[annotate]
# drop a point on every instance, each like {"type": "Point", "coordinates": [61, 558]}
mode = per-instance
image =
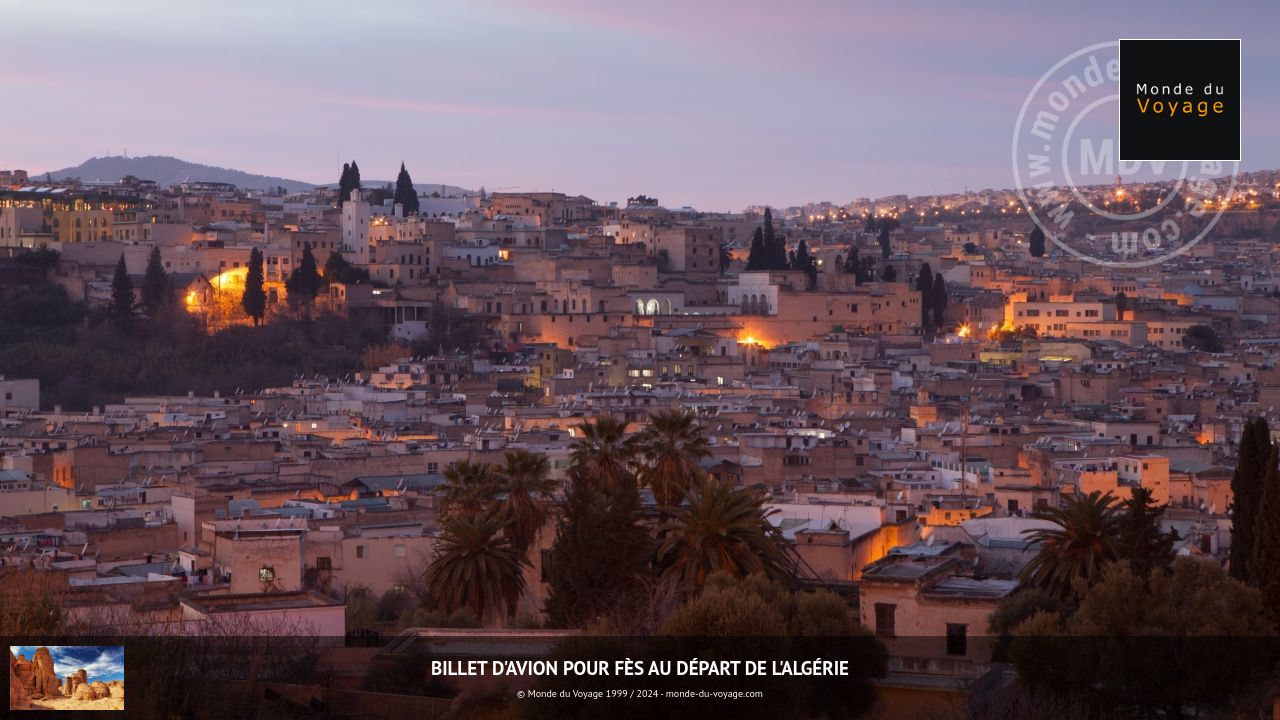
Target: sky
{"type": "Point", "coordinates": [707, 103]}
{"type": "Point", "coordinates": [104, 663]}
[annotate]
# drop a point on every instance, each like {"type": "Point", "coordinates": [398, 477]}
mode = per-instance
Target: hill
{"type": "Point", "coordinates": [168, 171]}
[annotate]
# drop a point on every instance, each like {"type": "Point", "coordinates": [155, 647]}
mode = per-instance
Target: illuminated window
{"type": "Point", "coordinates": [267, 574]}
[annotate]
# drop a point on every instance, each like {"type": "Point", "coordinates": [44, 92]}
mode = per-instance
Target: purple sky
{"type": "Point", "coordinates": [699, 102]}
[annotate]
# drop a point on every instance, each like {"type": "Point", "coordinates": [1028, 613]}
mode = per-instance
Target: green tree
{"type": "Point", "coordinates": [1035, 242]}
{"type": "Point", "coordinates": [155, 284]}
{"type": "Point", "coordinates": [406, 196]}
{"type": "Point", "coordinates": [721, 529]}
{"type": "Point", "coordinates": [304, 283]}
{"type": "Point", "coordinates": [476, 567]}
{"type": "Point", "coordinates": [1083, 541]}
{"type": "Point", "coordinates": [671, 448]}
{"type": "Point", "coordinates": [938, 300]}
{"type": "Point", "coordinates": [886, 249]}
{"type": "Point", "coordinates": [1203, 338]}
{"type": "Point", "coordinates": [756, 258]}
{"type": "Point", "coordinates": [1122, 303]}
{"type": "Point", "coordinates": [526, 495]}
{"type": "Point", "coordinates": [349, 181]}
{"type": "Point", "coordinates": [970, 249]}
{"type": "Point", "coordinates": [121, 307]}
{"type": "Point", "coordinates": [924, 285]}
{"type": "Point", "coordinates": [469, 488]}
{"type": "Point", "coordinates": [1139, 539]}
{"type": "Point", "coordinates": [1266, 541]}
{"type": "Point", "coordinates": [602, 555]}
{"type": "Point", "coordinates": [337, 269]}
{"type": "Point", "coordinates": [601, 454]}
{"type": "Point", "coordinates": [1246, 489]}
{"type": "Point", "coordinates": [726, 258]}
{"type": "Point", "coordinates": [254, 299]}
{"type": "Point", "coordinates": [890, 273]}
{"type": "Point", "coordinates": [1186, 638]}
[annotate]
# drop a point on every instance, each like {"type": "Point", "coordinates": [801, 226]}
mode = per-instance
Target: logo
{"type": "Point", "coordinates": [1087, 200]}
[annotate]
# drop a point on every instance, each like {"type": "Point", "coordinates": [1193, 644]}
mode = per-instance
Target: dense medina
{"type": "Point", "coordinates": [239, 407]}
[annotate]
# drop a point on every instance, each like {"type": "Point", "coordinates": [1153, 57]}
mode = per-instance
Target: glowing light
{"type": "Point", "coordinates": [964, 331]}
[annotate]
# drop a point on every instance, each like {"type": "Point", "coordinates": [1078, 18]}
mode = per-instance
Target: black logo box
{"type": "Point", "coordinates": [1186, 65]}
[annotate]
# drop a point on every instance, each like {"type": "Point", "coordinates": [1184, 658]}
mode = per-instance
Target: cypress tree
{"type": "Point", "coordinates": [121, 307]}
{"type": "Point", "coordinates": [885, 249]}
{"type": "Point", "coordinates": [924, 285]}
{"type": "Point", "coordinates": [344, 183]}
{"type": "Point", "coordinates": [889, 274]}
{"type": "Point", "coordinates": [756, 259]}
{"type": "Point", "coordinates": [1265, 565]}
{"type": "Point", "coordinates": [1036, 242]}
{"type": "Point", "coordinates": [254, 300]}
{"type": "Point", "coordinates": [775, 247]}
{"type": "Point", "coordinates": [1246, 488]}
{"type": "Point", "coordinates": [355, 176]}
{"type": "Point", "coordinates": [405, 195]}
{"type": "Point", "coordinates": [304, 282]}
{"type": "Point", "coordinates": [939, 300]}
{"type": "Point", "coordinates": [155, 284]}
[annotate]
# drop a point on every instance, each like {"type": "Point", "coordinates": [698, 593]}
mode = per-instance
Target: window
{"type": "Point", "coordinates": [324, 563]}
{"type": "Point", "coordinates": [360, 551]}
{"type": "Point", "coordinates": [957, 639]}
{"type": "Point", "coordinates": [399, 551]}
{"type": "Point", "coordinates": [267, 574]}
{"type": "Point", "coordinates": [884, 619]}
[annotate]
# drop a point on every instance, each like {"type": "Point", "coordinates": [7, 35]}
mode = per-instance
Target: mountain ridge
{"type": "Point", "coordinates": [166, 170]}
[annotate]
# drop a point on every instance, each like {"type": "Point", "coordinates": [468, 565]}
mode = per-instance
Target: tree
{"type": "Point", "coordinates": [938, 299]}
{"type": "Point", "coordinates": [889, 274]}
{"type": "Point", "coordinates": [756, 258]}
{"type": "Point", "coordinates": [721, 529]}
{"type": "Point", "coordinates": [775, 246]}
{"type": "Point", "coordinates": [1122, 302]}
{"type": "Point", "coordinates": [671, 447]}
{"type": "Point", "coordinates": [602, 554]}
{"type": "Point", "coordinates": [1083, 541]}
{"type": "Point", "coordinates": [406, 196]}
{"type": "Point", "coordinates": [726, 258]}
{"type": "Point", "coordinates": [1266, 541]}
{"type": "Point", "coordinates": [1140, 540]}
{"type": "Point", "coordinates": [885, 248]}
{"type": "Point", "coordinates": [469, 488]}
{"type": "Point", "coordinates": [337, 269]}
{"type": "Point", "coordinates": [254, 300]}
{"type": "Point", "coordinates": [602, 454]}
{"type": "Point", "coordinates": [155, 284]}
{"type": "Point", "coordinates": [924, 285]}
{"type": "Point", "coordinates": [1187, 638]}
{"type": "Point", "coordinates": [304, 282]}
{"type": "Point", "coordinates": [1203, 338]}
{"type": "Point", "coordinates": [349, 181]}
{"type": "Point", "coordinates": [476, 567]}
{"type": "Point", "coordinates": [1246, 489]}
{"type": "Point", "coordinates": [526, 496]}
{"type": "Point", "coordinates": [1035, 242]}
{"type": "Point", "coordinates": [121, 307]}
{"type": "Point", "coordinates": [970, 249]}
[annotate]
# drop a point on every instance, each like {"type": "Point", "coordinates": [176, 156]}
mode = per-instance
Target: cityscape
{"type": "Point", "coordinates": [365, 446]}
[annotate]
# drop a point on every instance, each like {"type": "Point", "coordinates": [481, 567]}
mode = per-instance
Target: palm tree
{"type": "Point", "coordinates": [476, 566]}
{"type": "Point", "coordinates": [469, 488]}
{"type": "Point", "coordinates": [671, 447]}
{"type": "Point", "coordinates": [602, 454]}
{"type": "Point", "coordinates": [720, 529]}
{"type": "Point", "coordinates": [526, 495]}
{"type": "Point", "coordinates": [1083, 541]}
